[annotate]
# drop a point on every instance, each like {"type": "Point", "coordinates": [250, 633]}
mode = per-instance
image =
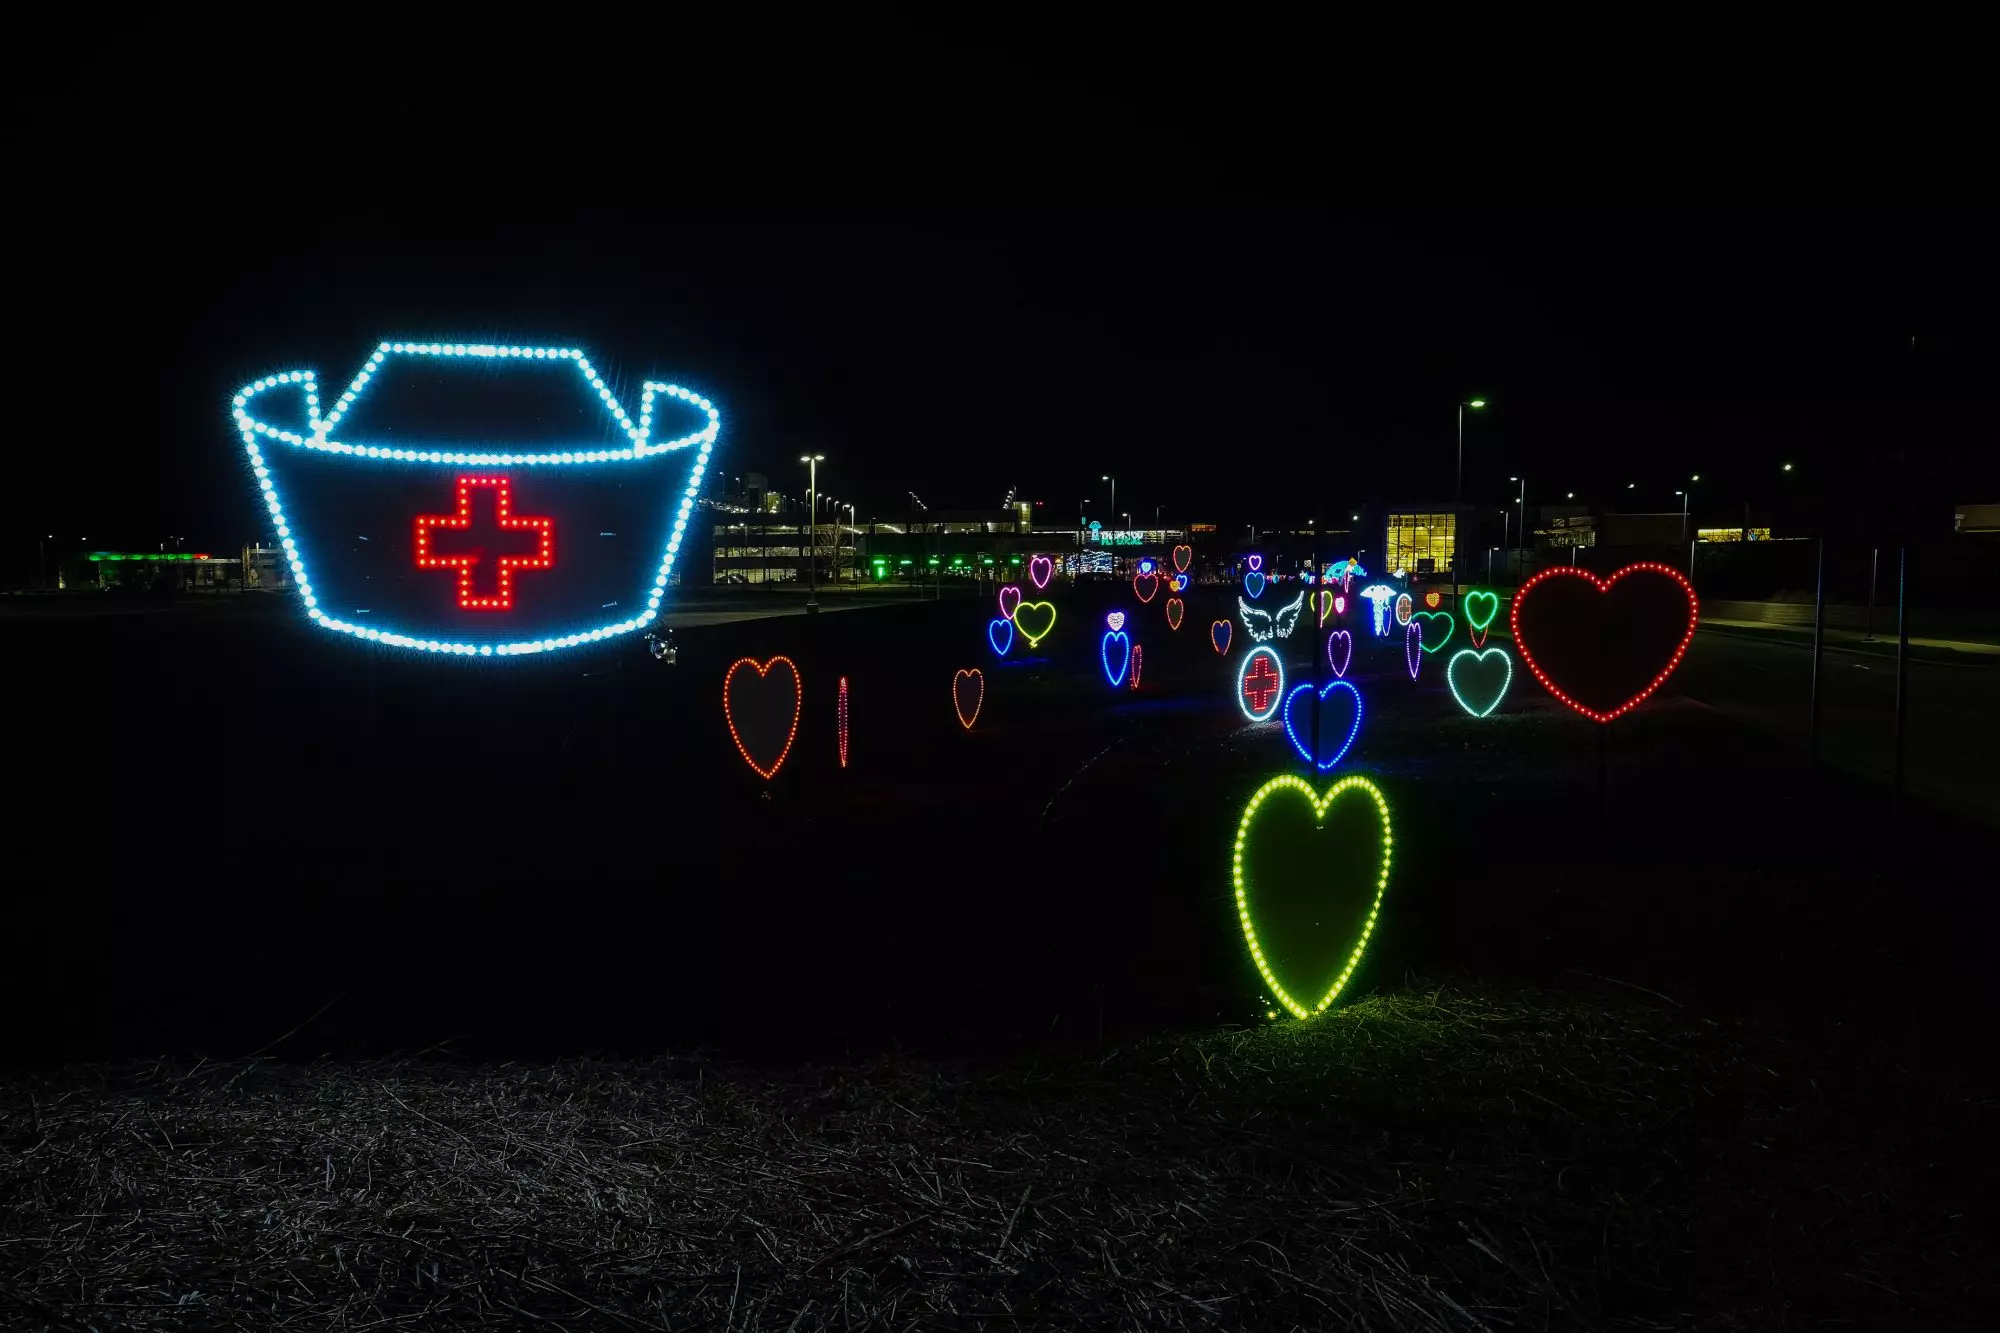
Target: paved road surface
{"type": "Point", "coordinates": [1953, 748]}
{"type": "Point", "coordinates": [690, 607]}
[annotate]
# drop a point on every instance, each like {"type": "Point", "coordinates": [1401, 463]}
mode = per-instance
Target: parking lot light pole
{"type": "Point", "coordinates": [1458, 490]}
{"type": "Point", "coordinates": [812, 462]}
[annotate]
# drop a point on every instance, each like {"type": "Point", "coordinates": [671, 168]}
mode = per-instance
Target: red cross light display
{"type": "Point", "coordinates": [1261, 684]}
{"type": "Point", "coordinates": [501, 598]}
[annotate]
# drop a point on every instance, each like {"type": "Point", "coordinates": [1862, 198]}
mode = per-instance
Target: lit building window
{"type": "Point", "coordinates": [1421, 543]}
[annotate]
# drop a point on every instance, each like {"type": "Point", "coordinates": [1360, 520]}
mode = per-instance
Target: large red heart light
{"type": "Point", "coordinates": [1602, 645]}
{"type": "Point", "coordinates": [1182, 554]}
{"type": "Point", "coordinates": [761, 706]}
{"type": "Point", "coordinates": [1175, 610]}
{"type": "Point", "coordinates": [1145, 585]}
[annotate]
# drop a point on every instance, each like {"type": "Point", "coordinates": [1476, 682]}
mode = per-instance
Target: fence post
{"type": "Point", "coordinates": [1902, 662]}
{"type": "Point", "coordinates": [1874, 563]}
{"type": "Point", "coordinates": [1819, 633]}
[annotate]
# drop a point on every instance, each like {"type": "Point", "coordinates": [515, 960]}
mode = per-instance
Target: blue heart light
{"type": "Point", "coordinates": [1253, 585]}
{"type": "Point", "coordinates": [1181, 581]}
{"type": "Point", "coordinates": [1300, 743]}
{"type": "Point", "coordinates": [993, 635]}
{"type": "Point", "coordinates": [1117, 677]}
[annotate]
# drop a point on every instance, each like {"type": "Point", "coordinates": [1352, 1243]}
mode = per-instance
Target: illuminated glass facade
{"type": "Point", "coordinates": [1420, 543]}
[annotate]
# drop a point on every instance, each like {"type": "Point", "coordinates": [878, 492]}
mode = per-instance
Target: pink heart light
{"type": "Point", "coordinates": [1340, 661]}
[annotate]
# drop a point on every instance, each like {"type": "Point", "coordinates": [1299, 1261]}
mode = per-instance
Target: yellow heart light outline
{"type": "Point", "coordinates": [1320, 805]}
{"type": "Point", "coordinates": [1033, 638]}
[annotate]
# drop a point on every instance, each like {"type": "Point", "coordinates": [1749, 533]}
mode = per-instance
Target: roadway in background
{"type": "Point", "coordinates": [1952, 749]}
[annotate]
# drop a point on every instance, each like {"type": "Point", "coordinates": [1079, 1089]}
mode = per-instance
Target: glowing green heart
{"type": "Point", "coordinates": [1433, 642]}
{"type": "Point", "coordinates": [1315, 931]}
{"type": "Point", "coordinates": [1028, 615]}
{"type": "Point", "coordinates": [1480, 606]}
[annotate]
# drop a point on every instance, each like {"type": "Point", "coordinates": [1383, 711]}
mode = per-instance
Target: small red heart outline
{"type": "Point", "coordinates": [1228, 629]}
{"type": "Point", "coordinates": [1138, 659]}
{"type": "Point", "coordinates": [1175, 610]}
{"type": "Point", "coordinates": [1152, 586]}
{"type": "Point", "coordinates": [729, 710]}
{"type": "Point", "coordinates": [1182, 554]}
{"type": "Point", "coordinates": [1006, 611]}
{"type": "Point", "coordinates": [1603, 587]}
{"type": "Point", "coordinates": [978, 678]}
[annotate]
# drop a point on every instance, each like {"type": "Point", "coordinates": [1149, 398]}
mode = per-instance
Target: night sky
{"type": "Point", "coordinates": [1067, 287]}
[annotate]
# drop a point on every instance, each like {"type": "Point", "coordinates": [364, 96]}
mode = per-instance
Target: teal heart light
{"type": "Point", "coordinates": [1310, 874]}
{"type": "Point", "coordinates": [1479, 680]}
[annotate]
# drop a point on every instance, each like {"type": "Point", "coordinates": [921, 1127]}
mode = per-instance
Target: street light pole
{"type": "Point", "coordinates": [812, 462]}
{"type": "Point", "coordinates": [1114, 491]}
{"type": "Point", "coordinates": [1520, 526]}
{"type": "Point", "coordinates": [1458, 489]}
{"type": "Point", "coordinates": [1687, 498]}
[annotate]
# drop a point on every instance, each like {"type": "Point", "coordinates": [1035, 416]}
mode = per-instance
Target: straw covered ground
{"type": "Point", "coordinates": [1442, 1157]}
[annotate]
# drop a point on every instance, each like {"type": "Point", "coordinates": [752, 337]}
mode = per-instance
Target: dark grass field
{"type": "Point", "coordinates": [965, 1034]}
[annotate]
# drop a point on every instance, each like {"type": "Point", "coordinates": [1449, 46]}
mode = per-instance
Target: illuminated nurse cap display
{"type": "Point", "coordinates": [426, 533]}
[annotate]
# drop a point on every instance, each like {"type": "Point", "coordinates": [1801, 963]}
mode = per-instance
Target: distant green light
{"type": "Point", "coordinates": [1477, 402]}
{"type": "Point", "coordinates": [905, 561]}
